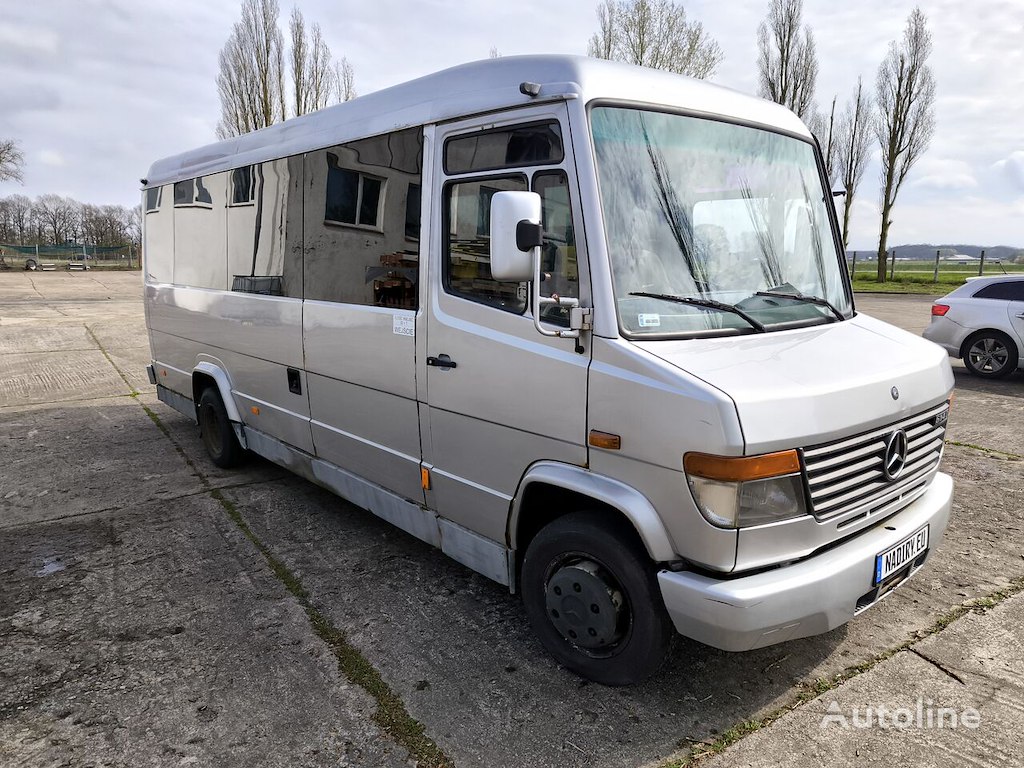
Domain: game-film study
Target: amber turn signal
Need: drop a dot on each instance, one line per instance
(732, 469)
(604, 440)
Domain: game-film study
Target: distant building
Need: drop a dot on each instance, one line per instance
(960, 258)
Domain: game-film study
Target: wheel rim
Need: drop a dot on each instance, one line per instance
(210, 428)
(988, 355)
(586, 605)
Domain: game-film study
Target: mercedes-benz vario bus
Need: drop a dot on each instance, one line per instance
(586, 327)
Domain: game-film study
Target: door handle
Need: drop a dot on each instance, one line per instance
(1021, 315)
(442, 361)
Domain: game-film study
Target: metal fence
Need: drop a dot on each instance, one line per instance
(34, 257)
(938, 269)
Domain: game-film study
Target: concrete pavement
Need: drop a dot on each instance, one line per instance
(155, 609)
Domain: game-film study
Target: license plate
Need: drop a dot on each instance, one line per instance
(897, 557)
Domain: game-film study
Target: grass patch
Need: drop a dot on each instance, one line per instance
(907, 287)
(812, 690)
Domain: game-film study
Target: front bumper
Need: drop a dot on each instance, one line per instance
(804, 598)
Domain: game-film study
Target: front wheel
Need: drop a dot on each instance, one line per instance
(990, 354)
(592, 597)
(31, 265)
(216, 430)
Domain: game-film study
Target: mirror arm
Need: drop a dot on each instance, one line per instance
(539, 302)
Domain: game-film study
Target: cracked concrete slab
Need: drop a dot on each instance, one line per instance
(154, 634)
(84, 457)
(921, 714)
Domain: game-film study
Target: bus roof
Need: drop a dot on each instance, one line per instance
(469, 89)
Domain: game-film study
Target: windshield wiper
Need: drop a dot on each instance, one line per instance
(805, 299)
(704, 304)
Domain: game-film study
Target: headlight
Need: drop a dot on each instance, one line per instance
(752, 490)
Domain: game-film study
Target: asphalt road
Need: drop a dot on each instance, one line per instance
(155, 610)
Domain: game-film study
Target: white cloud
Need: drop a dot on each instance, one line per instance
(941, 173)
(51, 158)
(28, 39)
(1013, 168)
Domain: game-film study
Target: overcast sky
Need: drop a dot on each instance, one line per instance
(96, 90)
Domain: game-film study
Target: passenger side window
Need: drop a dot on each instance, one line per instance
(1008, 291)
(558, 266)
(467, 261)
(362, 221)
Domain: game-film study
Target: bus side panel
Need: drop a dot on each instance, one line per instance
(255, 339)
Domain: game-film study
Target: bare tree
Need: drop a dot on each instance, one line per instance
(603, 43)
(905, 94)
(58, 218)
(133, 226)
(298, 58)
(251, 78)
(18, 213)
(313, 75)
(11, 160)
(824, 129)
(654, 33)
(853, 146)
(345, 81)
(787, 63)
(494, 53)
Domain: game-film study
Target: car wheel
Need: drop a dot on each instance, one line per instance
(591, 594)
(990, 354)
(216, 431)
(31, 265)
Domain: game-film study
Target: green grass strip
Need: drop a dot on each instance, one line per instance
(810, 691)
(391, 715)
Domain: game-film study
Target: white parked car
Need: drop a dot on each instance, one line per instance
(982, 322)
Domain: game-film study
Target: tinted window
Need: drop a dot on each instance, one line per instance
(412, 212)
(467, 265)
(153, 199)
(362, 221)
(342, 196)
(242, 186)
(538, 144)
(192, 191)
(264, 239)
(183, 192)
(558, 266)
(200, 242)
(1009, 291)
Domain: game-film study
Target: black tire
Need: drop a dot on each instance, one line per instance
(990, 354)
(603, 567)
(216, 430)
(31, 265)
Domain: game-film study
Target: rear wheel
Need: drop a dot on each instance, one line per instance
(591, 595)
(990, 354)
(217, 432)
(31, 265)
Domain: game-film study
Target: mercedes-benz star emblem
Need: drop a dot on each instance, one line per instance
(895, 393)
(895, 457)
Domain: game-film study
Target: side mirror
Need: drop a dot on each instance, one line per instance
(515, 235)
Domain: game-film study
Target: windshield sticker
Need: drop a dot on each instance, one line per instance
(649, 321)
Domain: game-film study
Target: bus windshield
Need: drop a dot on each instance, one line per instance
(714, 228)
